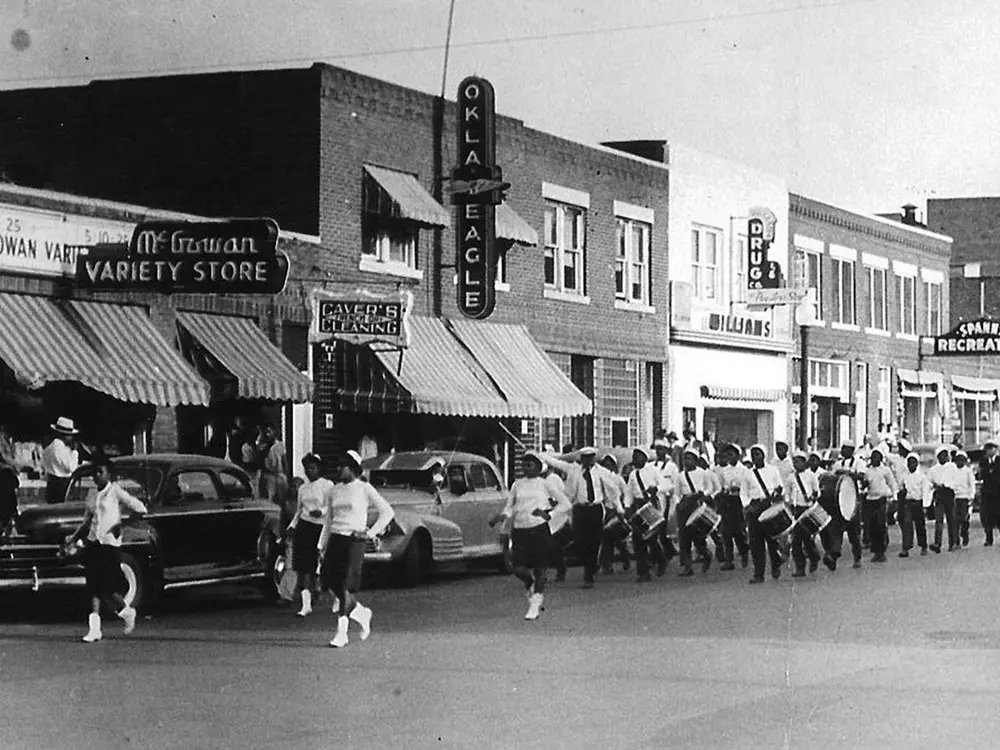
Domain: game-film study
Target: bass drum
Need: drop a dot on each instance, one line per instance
(847, 497)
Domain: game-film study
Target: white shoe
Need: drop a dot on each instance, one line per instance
(340, 639)
(306, 603)
(128, 615)
(362, 615)
(534, 607)
(336, 605)
(94, 634)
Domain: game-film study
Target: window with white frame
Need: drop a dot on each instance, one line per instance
(501, 276)
(843, 297)
(632, 261)
(619, 432)
(884, 395)
(810, 268)
(565, 247)
(878, 299)
(705, 243)
(739, 267)
(390, 240)
(907, 305)
(932, 303)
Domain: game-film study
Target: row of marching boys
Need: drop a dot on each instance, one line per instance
(759, 508)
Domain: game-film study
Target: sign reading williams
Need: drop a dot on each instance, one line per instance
(361, 317)
(980, 336)
(235, 256)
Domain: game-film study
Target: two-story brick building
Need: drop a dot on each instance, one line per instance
(357, 165)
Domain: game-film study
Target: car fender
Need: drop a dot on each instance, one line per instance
(142, 540)
(443, 533)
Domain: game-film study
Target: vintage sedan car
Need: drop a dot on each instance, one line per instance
(443, 502)
(204, 525)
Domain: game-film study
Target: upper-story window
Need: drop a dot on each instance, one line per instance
(632, 261)
(932, 283)
(876, 272)
(843, 292)
(390, 241)
(907, 305)
(810, 268)
(565, 247)
(705, 267)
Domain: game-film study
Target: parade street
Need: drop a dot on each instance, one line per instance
(895, 655)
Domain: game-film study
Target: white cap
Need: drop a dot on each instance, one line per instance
(906, 444)
(963, 454)
(942, 449)
(913, 455)
(799, 454)
(759, 447)
(588, 451)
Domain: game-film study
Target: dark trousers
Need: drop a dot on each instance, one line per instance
(962, 518)
(911, 513)
(588, 529)
(733, 526)
(759, 542)
(55, 489)
(990, 518)
(873, 512)
(612, 541)
(803, 543)
(558, 541)
(944, 512)
(685, 537)
(833, 535)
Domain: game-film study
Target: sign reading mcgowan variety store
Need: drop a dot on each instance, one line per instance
(236, 256)
(980, 336)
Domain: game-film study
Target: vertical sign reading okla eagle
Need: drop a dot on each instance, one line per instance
(475, 190)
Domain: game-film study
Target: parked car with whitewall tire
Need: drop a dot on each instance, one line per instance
(204, 525)
(443, 502)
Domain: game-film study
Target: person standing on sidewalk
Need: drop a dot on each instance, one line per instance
(881, 487)
(989, 509)
(914, 496)
(60, 459)
(944, 481)
(306, 526)
(102, 558)
(342, 543)
(965, 495)
(801, 491)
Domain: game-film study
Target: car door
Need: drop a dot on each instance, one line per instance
(457, 504)
(188, 520)
(242, 518)
(488, 498)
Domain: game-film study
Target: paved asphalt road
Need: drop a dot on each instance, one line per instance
(900, 655)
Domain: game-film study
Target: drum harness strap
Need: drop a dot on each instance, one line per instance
(642, 486)
(798, 478)
(763, 486)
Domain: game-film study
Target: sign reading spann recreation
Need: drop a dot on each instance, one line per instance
(235, 256)
(980, 336)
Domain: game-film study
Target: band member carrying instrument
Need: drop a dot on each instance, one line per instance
(730, 475)
(761, 487)
(669, 469)
(694, 487)
(647, 485)
(914, 496)
(965, 494)
(801, 491)
(712, 502)
(881, 486)
(848, 464)
(782, 462)
(614, 537)
(944, 480)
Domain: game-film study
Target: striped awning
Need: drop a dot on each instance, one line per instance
(510, 226)
(529, 380)
(260, 369)
(440, 376)
(111, 349)
(728, 393)
(403, 197)
(975, 385)
(920, 377)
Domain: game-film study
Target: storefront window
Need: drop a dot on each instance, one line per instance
(920, 413)
(975, 414)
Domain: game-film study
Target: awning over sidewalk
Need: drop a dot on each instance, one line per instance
(440, 376)
(110, 348)
(975, 385)
(920, 377)
(259, 367)
(510, 226)
(532, 384)
(401, 196)
(727, 393)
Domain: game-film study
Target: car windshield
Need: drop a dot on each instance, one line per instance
(407, 479)
(141, 482)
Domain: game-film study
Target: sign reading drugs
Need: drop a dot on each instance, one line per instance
(981, 336)
(761, 272)
(361, 317)
(235, 256)
(475, 234)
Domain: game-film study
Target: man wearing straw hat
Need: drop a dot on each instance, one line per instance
(60, 459)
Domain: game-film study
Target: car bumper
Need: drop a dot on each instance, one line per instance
(36, 580)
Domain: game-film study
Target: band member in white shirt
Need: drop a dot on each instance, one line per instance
(646, 484)
(694, 487)
(306, 525)
(914, 496)
(590, 489)
(60, 459)
(560, 528)
(669, 469)
(782, 461)
(102, 558)
(730, 475)
(529, 508)
(846, 464)
(801, 491)
(965, 494)
(761, 487)
(944, 481)
(614, 537)
(881, 487)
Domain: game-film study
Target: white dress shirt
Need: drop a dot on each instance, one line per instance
(750, 488)
(59, 460)
(669, 471)
(784, 466)
(731, 478)
(530, 494)
(943, 475)
(694, 481)
(651, 478)
(106, 513)
(965, 488)
(557, 491)
(314, 498)
(793, 493)
(854, 465)
(605, 492)
(347, 511)
(916, 487)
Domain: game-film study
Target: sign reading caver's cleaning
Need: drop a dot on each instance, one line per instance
(236, 256)
(361, 317)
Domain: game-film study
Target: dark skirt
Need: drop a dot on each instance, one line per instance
(342, 563)
(305, 556)
(530, 547)
(102, 566)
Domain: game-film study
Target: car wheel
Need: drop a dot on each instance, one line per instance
(414, 566)
(273, 559)
(135, 588)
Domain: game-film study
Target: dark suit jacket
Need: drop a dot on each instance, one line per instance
(989, 472)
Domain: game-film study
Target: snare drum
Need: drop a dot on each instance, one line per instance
(776, 520)
(703, 521)
(814, 519)
(647, 521)
(847, 497)
(617, 529)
